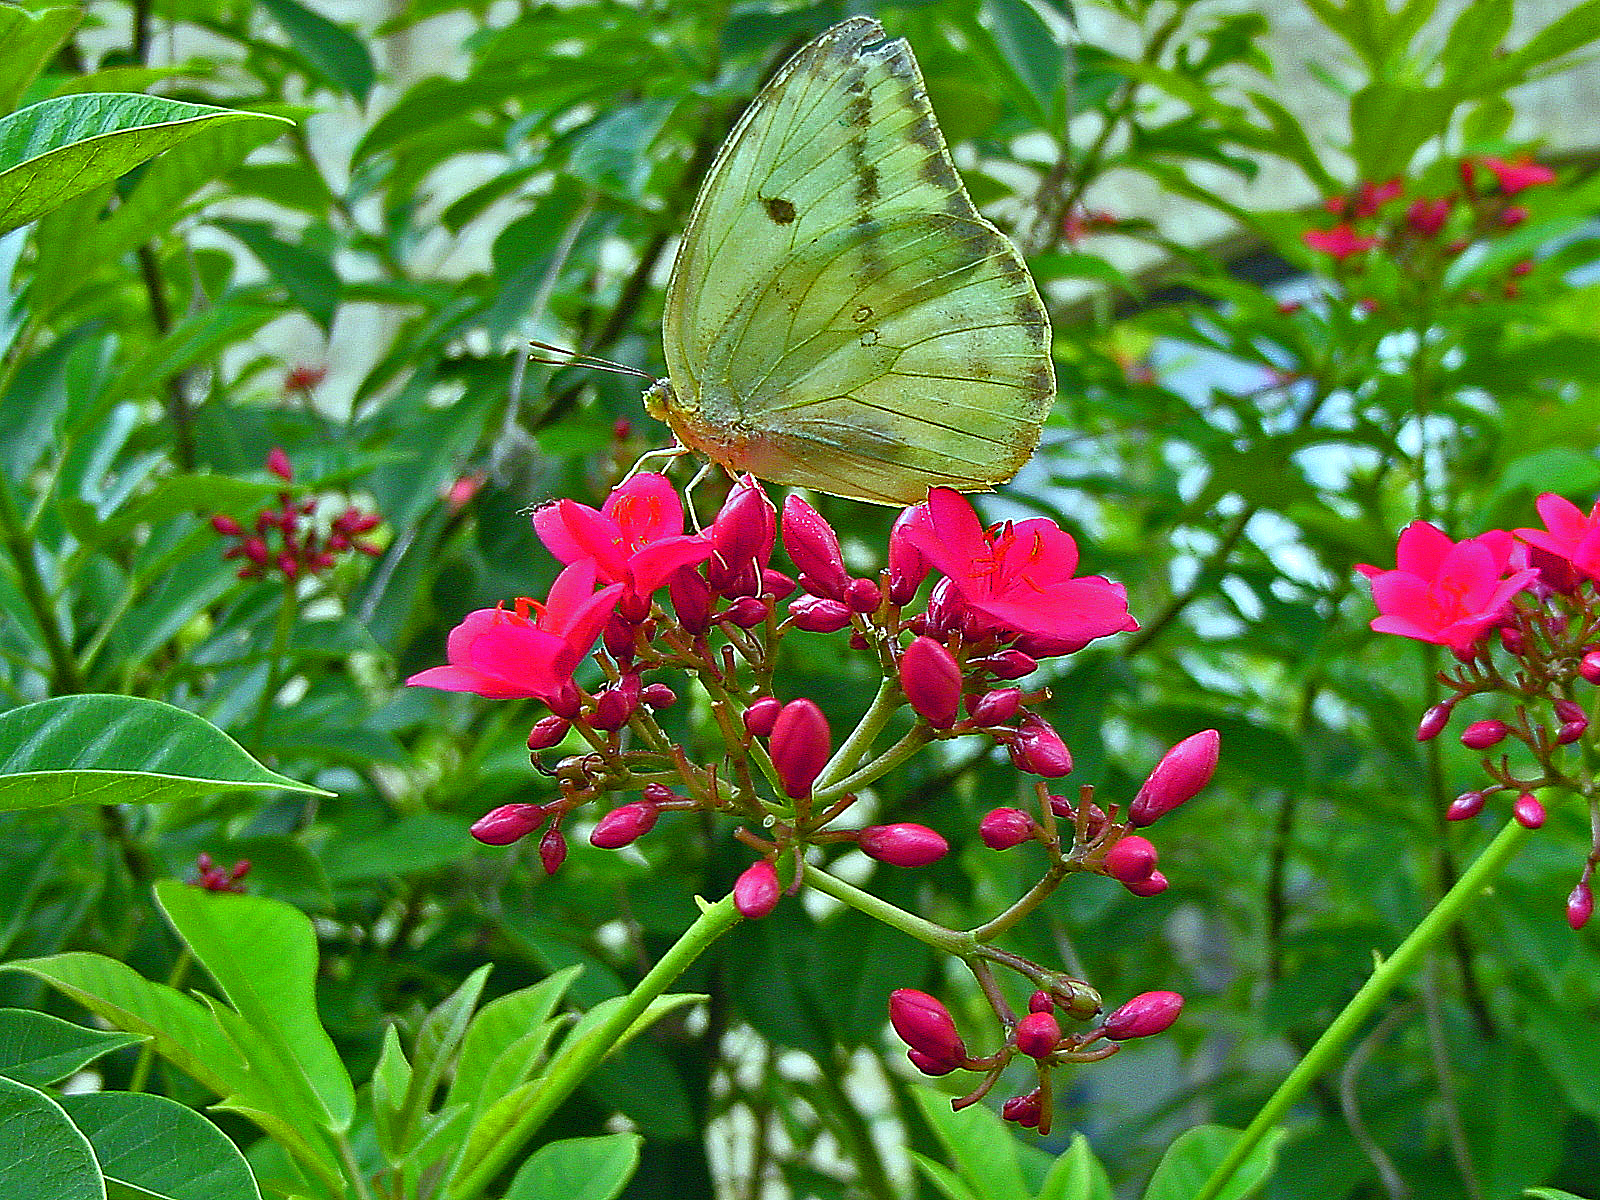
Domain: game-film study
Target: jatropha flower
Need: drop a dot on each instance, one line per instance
(1530, 600)
(215, 878)
(291, 539)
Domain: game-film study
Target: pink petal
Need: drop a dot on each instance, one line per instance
(1421, 549)
(551, 526)
(598, 539)
(650, 566)
(645, 509)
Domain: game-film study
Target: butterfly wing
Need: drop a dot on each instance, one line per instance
(839, 315)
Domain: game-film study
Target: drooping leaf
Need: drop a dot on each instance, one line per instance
(335, 53)
(39, 1049)
(160, 1148)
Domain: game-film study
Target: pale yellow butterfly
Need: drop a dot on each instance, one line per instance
(839, 315)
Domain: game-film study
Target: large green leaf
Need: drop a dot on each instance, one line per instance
(263, 955)
(42, 1154)
(306, 275)
(594, 1168)
(331, 50)
(1190, 1160)
(978, 1142)
(31, 40)
(161, 1149)
(37, 1048)
(61, 148)
(121, 750)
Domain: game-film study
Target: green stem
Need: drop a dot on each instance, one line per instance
(1403, 962)
(64, 672)
(950, 941)
(352, 1168)
(280, 649)
(147, 1052)
(573, 1065)
(865, 733)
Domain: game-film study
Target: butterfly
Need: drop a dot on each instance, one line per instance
(839, 315)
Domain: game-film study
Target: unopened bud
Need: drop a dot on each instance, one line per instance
(816, 614)
(746, 612)
(691, 600)
(616, 704)
(1529, 813)
(1580, 905)
(1145, 888)
(1511, 639)
(1038, 749)
(1037, 1034)
(552, 849)
(996, 707)
(658, 695)
(907, 567)
(925, 1025)
(1041, 1001)
(1434, 721)
(1008, 664)
(566, 701)
(903, 845)
(1466, 806)
(1480, 735)
(1131, 860)
(547, 732)
(931, 680)
(278, 463)
(1147, 1014)
(800, 746)
(1003, 828)
(227, 526)
(775, 585)
(863, 596)
(624, 826)
(814, 547)
(760, 717)
(659, 793)
(1589, 666)
(1024, 1110)
(508, 823)
(1571, 732)
(744, 530)
(756, 891)
(1177, 778)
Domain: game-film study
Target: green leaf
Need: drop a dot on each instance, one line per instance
(160, 1148)
(121, 750)
(44, 1156)
(1572, 30)
(1389, 122)
(31, 40)
(58, 149)
(177, 494)
(38, 1049)
(332, 50)
(437, 1042)
(613, 154)
(943, 1178)
(391, 1079)
(1077, 1175)
(1477, 33)
(1190, 1160)
(593, 1168)
(263, 955)
(498, 1026)
(307, 276)
(1550, 1193)
(1035, 59)
(977, 1141)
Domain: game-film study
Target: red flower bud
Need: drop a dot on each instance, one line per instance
(1529, 813)
(932, 681)
(1003, 828)
(691, 600)
(1425, 217)
(863, 596)
(1038, 749)
(815, 614)
(996, 707)
(925, 1025)
(800, 746)
(552, 849)
(658, 695)
(1480, 735)
(1145, 888)
(508, 823)
(227, 526)
(1041, 1002)
(745, 529)
(775, 585)
(814, 547)
(255, 549)
(616, 704)
(746, 612)
(1024, 1110)
(1434, 721)
(907, 567)
(1589, 666)
(278, 463)
(1512, 215)
(1146, 1014)
(624, 826)
(659, 793)
(1466, 806)
(1177, 778)
(760, 717)
(1580, 905)
(1571, 732)
(547, 732)
(756, 891)
(1037, 1034)
(1008, 664)
(903, 845)
(567, 701)
(1131, 860)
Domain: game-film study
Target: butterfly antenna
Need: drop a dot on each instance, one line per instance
(559, 356)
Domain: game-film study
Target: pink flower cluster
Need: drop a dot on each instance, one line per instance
(215, 878)
(290, 539)
(1534, 594)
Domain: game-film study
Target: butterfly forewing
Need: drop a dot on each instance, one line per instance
(839, 315)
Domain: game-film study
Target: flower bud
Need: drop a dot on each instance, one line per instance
(616, 704)
(1039, 750)
(618, 636)
(1571, 732)
(1065, 811)
(925, 1025)
(1480, 735)
(1131, 860)
(746, 612)
(775, 585)
(658, 695)
(552, 849)
(255, 549)
(1529, 813)
(278, 464)
(1147, 1014)
(744, 530)
(547, 732)
(1511, 640)
(1008, 664)
(760, 717)
(814, 547)
(1434, 721)
(1037, 1034)
(863, 596)
(1003, 828)
(508, 823)
(1177, 778)
(996, 707)
(632, 606)
(1024, 1110)
(946, 613)
(659, 793)
(932, 681)
(1580, 905)
(1512, 215)
(1041, 1002)
(816, 614)
(624, 826)
(691, 600)
(756, 891)
(903, 845)
(1145, 888)
(1589, 666)
(907, 567)
(567, 701)
(800, 746)
(1425, 217)
(227, 526)
(1466, 806)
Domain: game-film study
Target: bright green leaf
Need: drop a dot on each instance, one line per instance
(593, 1168)
(42, 1154)
(1077, 1175)
(978, 1142)
(38, 1049)
(163, 1148)
(31, 40)
(1190, 1160)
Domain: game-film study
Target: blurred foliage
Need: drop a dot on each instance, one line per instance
(461, 178)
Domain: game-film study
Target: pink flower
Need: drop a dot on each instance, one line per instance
(636, 538)
(1340, 242)
(1571, 535)
(1444, 592)
(502, 655)
(1517, 176)
(1017, 575)
(1425, 217)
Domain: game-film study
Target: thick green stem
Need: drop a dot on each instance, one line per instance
(1406, 959)
(860, 740)
(950, 941)
(573, 1065)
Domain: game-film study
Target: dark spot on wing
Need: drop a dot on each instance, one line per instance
(778, 209)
